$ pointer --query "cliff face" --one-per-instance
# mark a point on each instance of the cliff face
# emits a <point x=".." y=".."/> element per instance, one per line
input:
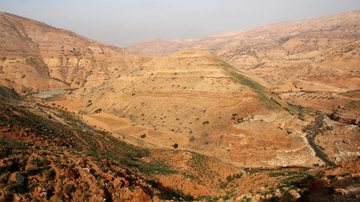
<point x="21" y="65"/>
<point x="38" y="57"/>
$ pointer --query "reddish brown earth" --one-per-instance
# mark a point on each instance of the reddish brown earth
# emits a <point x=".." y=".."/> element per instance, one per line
<point x="58" y="157"/>
<point x="197" y="101"/>
<point x="43" y="158"/>
<point x="271" y="113"/>
<point x="51" y="158"/>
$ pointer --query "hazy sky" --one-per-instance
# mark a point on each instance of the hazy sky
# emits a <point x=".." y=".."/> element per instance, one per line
<point x="122" y="22"/>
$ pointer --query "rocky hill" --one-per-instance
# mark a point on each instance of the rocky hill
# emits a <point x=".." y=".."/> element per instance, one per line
<point x="320" y="50"/>
<point x="232" y="124"/>
<point x="313" y="63"/>
<point x="38" y="57"/>
<point x="48" y="154"/>
<point x="43" y="157"/>
<point x="198" y="102"/>
<point x="191" y="100"/>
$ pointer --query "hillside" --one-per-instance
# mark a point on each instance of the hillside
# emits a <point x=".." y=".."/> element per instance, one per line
<point x="44" y="157"/>
<point x="200" y="103"/>
<point x="38" y="57"/>
<point x="318" y="55"/>
<point x="48" y="154"/>
<point x="191" y="99"/>
<point x="270" y="113"/>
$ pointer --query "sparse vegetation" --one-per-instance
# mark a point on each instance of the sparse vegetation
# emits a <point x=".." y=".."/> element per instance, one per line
<point x="233" y="177"/>
<point x="206" y="123"/>
<point x="234" y="113"/>
<point x="81" y="140"/>
<point x="155" y="167"/>
<point x="264" y="94"/>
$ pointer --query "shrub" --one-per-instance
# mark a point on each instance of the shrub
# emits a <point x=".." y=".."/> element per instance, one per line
<point x="205" y="122"/>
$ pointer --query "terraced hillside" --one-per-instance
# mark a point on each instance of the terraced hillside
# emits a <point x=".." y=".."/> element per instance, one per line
<point x="197" y="102"/>
<point x="318" y="51"/>
<point x="318" y="55"/>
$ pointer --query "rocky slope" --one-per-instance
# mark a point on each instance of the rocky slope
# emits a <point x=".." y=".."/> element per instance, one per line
<point x="197" y="102"/>
<point x="43" y="157"/>
<point x="190" y="99"/>
<point x="47" y="154"/>
<point x="21" y="63"/>
<point x="310" y="52"/>
<point x="312" y="63"/>
<point x="38" y="57"/>
<point x="190" y="125"/>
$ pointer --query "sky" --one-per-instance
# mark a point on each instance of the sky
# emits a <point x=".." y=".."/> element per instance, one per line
<point x="123" y="22"/>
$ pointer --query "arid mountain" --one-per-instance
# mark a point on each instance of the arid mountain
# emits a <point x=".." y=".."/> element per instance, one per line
<point x="195" y="100"/>
<point x="320" y="51"/>
<point x="313" y="63"/>
<point x="191" y="99"/>
<point x="35" y="56"/>
<point x="21" y="63"/>
<point x="254" y="119"/>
